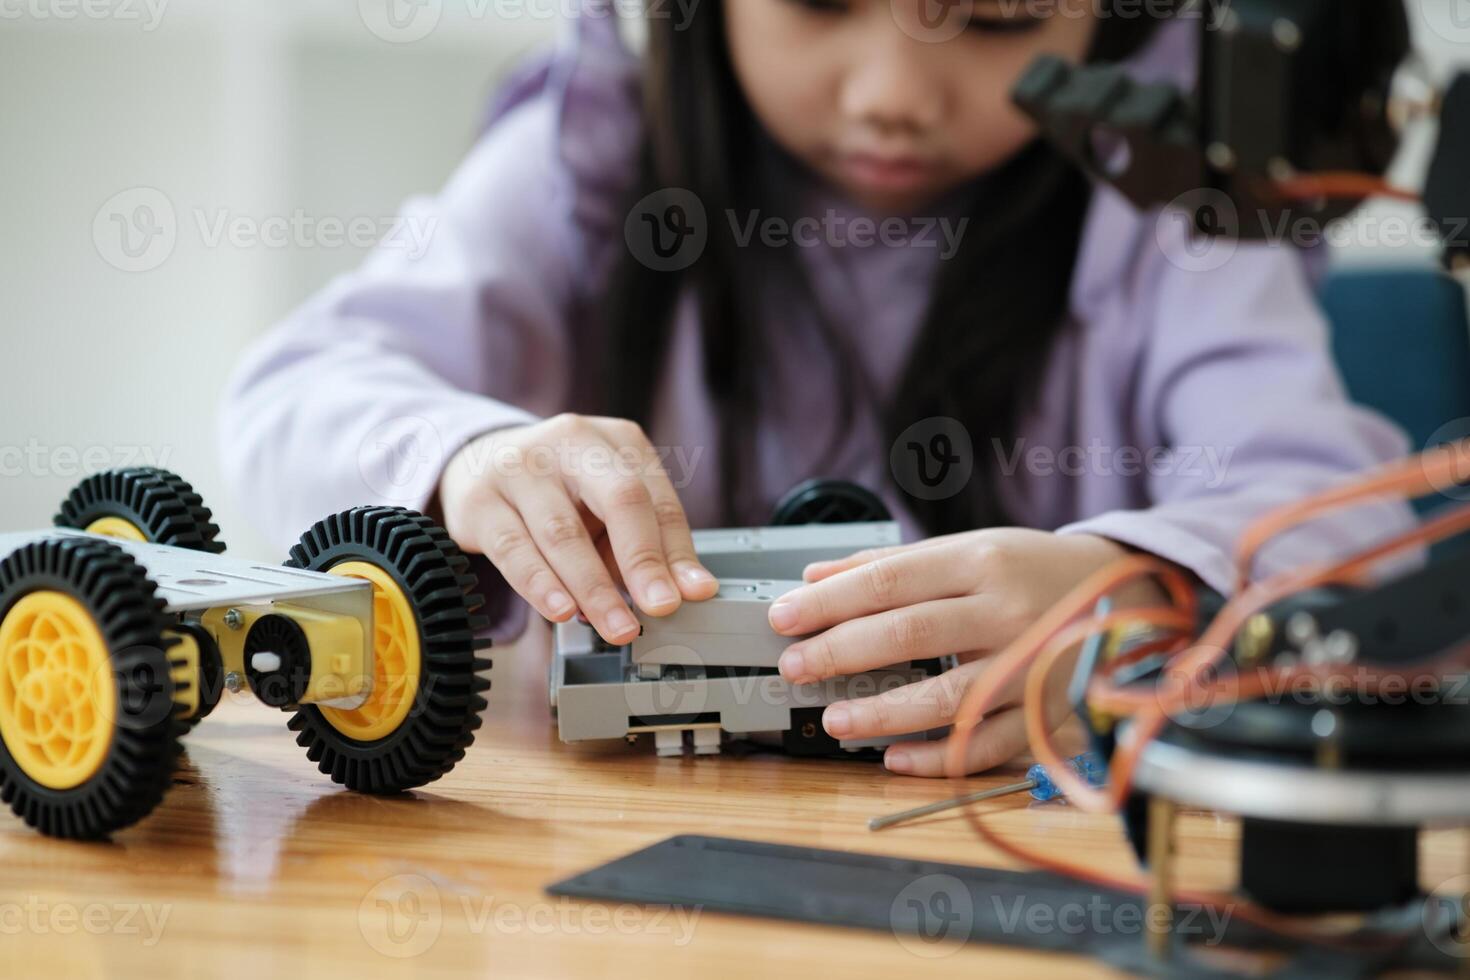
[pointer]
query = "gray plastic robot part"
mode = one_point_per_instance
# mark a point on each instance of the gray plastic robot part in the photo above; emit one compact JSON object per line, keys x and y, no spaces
{"x":711,"y":666}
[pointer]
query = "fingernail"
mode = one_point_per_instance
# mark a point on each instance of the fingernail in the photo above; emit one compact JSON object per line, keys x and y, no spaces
{"x":898,"y":761}
{"x":837,"y":721}
{"x":783,"y":615}
{"x":661,"y":594}
{"x":559,"y":603}
{"x":621,"y":624}
{"x":694,"y":575}
{"x":792,"y":666}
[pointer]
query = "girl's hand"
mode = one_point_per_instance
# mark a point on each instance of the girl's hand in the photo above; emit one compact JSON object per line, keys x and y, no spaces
{"x":569,"y":510}
{"x":968,"y":594}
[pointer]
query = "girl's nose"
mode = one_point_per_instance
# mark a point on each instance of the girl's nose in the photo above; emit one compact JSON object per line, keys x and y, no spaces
{"x":892,"y":85}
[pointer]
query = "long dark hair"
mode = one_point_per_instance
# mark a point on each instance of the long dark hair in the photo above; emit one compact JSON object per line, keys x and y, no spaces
{"x":998,"y":305}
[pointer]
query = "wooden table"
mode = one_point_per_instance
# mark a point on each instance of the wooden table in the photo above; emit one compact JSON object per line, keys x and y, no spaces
{"x":256,"y":866}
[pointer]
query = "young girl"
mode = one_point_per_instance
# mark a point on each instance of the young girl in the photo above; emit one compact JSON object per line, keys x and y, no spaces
{"x":607,"y":274}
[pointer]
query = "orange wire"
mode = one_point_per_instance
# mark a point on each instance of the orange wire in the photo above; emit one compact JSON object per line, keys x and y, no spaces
{"x":1042,"y":646}
{"x":1413,"y":477}
{"x":1002,"y":671}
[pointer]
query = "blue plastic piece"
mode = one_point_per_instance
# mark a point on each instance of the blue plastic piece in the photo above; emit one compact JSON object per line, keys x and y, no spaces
{"x":1088,"y":765}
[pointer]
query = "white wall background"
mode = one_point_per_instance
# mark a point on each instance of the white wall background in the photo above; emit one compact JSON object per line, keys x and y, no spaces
{"x":244,"y":109}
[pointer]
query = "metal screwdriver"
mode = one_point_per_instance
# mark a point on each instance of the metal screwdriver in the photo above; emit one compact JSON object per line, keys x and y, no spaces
{"x":1087,"y":765}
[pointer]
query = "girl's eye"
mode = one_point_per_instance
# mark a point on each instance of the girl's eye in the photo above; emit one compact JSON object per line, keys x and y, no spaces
{"x":1003,"y":17}
{"x":823,"y":6}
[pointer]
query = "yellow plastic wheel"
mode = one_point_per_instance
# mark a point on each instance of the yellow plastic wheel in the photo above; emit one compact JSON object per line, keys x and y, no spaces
{"x":58,"y":696}
{"x":116,"y":527}
{"x":426,"y":700}
{"x":397,"y":659}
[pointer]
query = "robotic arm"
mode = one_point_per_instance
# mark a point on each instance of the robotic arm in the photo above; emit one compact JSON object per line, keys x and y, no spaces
{"x":1296,"y":112}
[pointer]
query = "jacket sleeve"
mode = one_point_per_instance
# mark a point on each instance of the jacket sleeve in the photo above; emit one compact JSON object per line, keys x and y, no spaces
{"x":1237,"y":372}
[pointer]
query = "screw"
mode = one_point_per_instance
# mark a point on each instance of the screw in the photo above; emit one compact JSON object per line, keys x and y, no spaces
{"x":809,"y":730}
{"x":234,"y":682}
{"x":1255,"y":640}
{"x":1280,"y":168}
{"x":233,"y":619}
{"x":1288,"y":36}
{"x":1220,"y":156}
{"x":1341,"y":647}
{"x":1301,"y":628}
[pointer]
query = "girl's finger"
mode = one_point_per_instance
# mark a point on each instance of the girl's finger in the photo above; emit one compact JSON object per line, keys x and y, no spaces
{"x":889,"y":582}
{"x":563,"y":538}
{"x":918,"y":632}
{"x":503,"y":539}
{"x":693,"y":579}
{"x":819,"y":570}
{"x":996,"y":740}
{"x":918,"y":707}
{"x":621,"y":500}
{"x":609,"y":560}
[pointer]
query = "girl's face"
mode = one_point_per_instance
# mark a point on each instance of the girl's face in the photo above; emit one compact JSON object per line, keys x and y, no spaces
{"x":896,"y":101}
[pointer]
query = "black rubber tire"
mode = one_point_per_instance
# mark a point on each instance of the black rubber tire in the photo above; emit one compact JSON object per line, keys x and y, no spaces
{"x":161,"y":504}
{"x":140,"y":762}
{"x":434,"y":575}
{"x":829,"y":502}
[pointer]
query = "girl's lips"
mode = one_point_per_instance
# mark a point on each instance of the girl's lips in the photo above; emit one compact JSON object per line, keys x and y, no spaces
{"x":891,"y":174}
